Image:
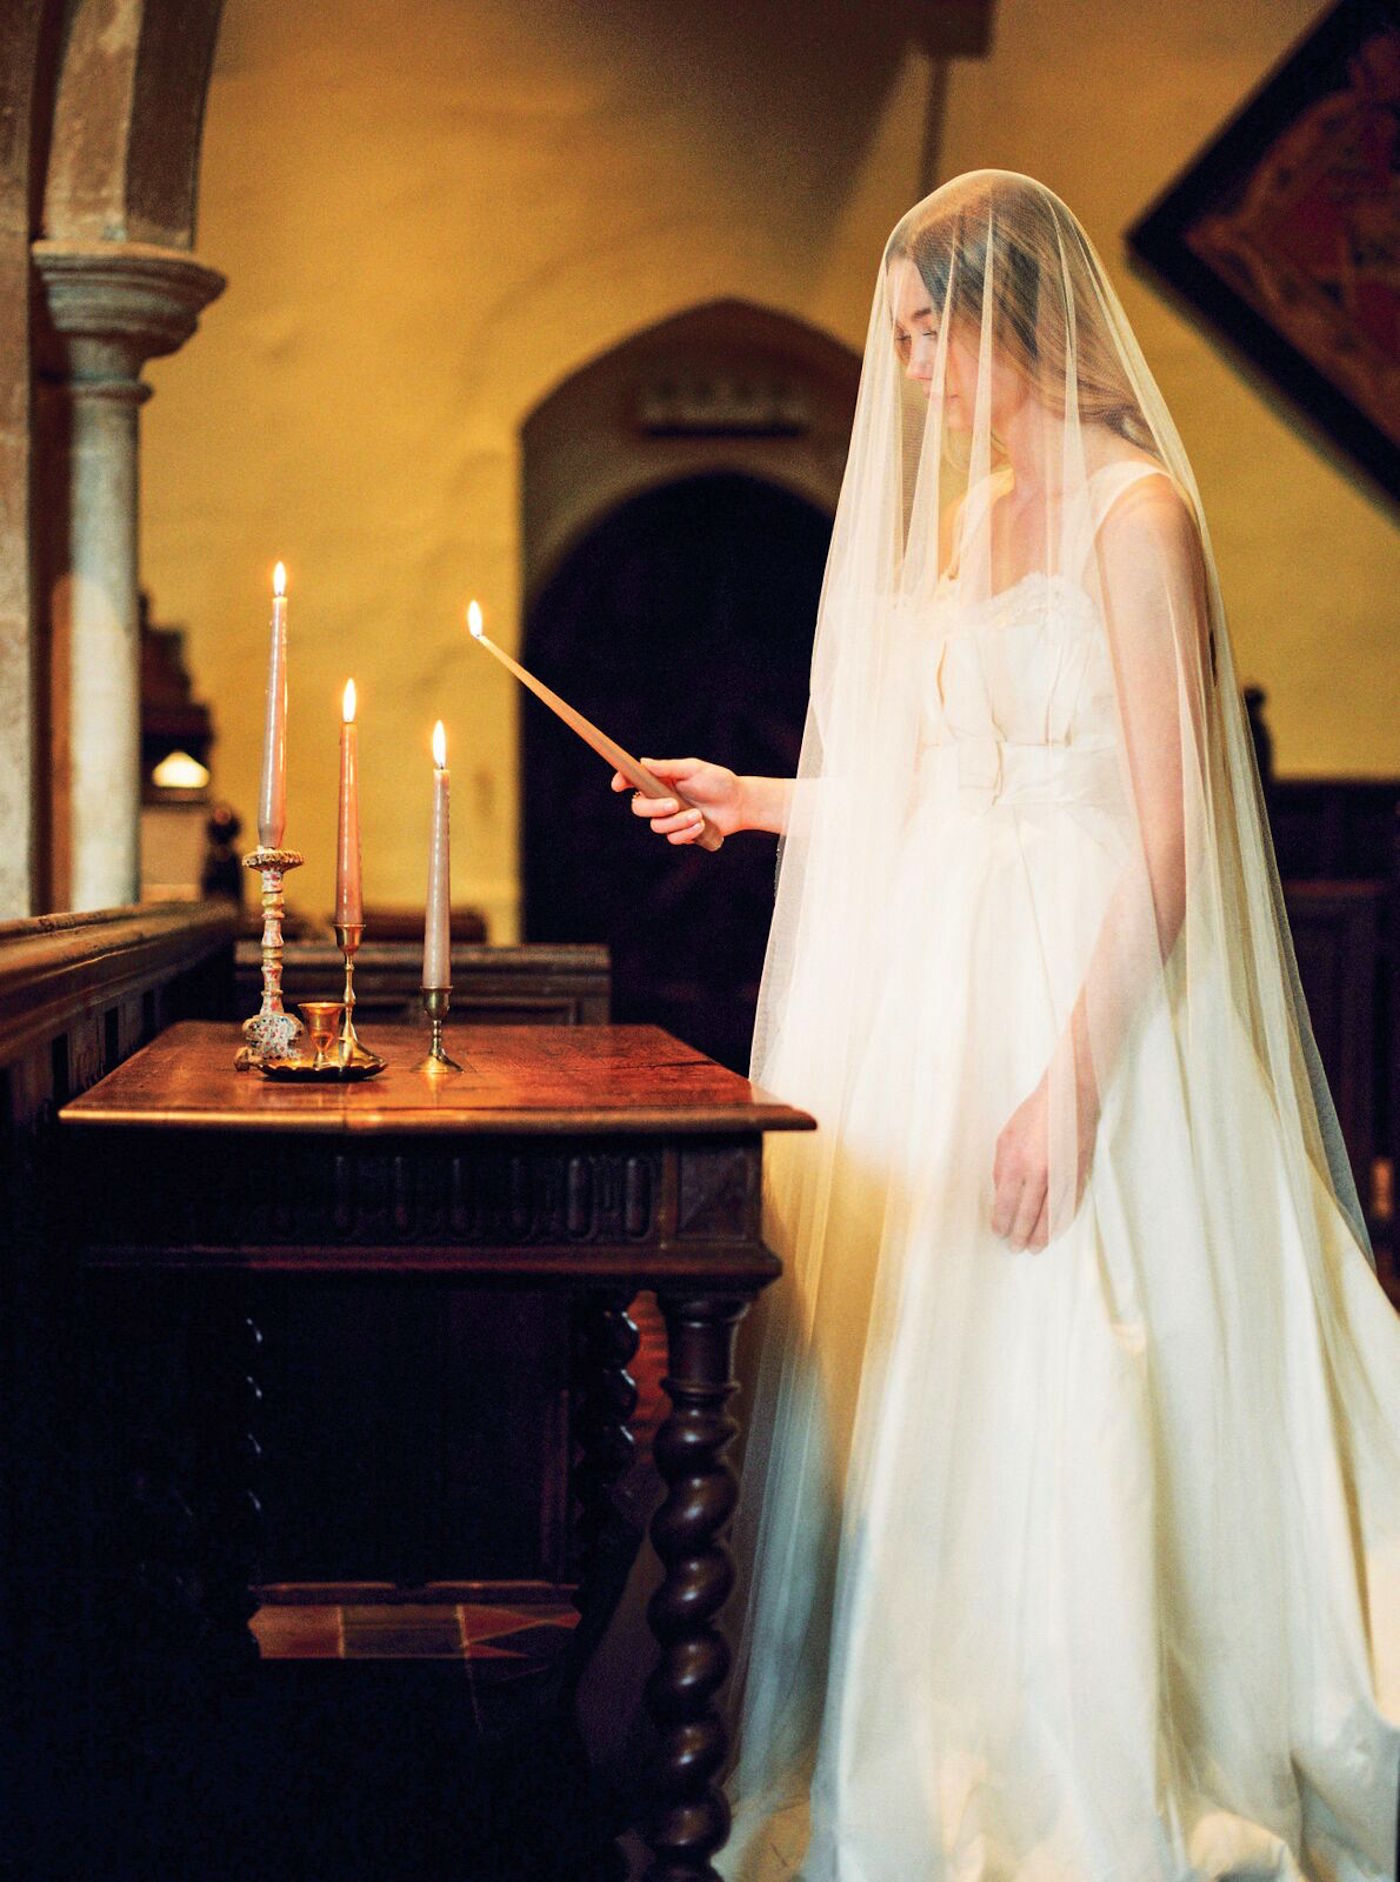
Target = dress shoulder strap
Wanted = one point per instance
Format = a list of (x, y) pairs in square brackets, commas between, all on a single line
[(1105, 486), (1110, 480)]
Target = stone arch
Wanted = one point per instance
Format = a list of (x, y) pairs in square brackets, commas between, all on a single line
[(683, 481), (725, 387), (127, 121)]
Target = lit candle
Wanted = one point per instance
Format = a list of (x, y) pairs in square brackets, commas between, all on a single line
[(437, 927), (272, 796), (349, 905), (631, 768)]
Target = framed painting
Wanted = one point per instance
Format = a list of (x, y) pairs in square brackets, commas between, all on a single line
[(1284, 233)]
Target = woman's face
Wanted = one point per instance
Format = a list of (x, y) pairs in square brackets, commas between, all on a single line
[(916, 343)]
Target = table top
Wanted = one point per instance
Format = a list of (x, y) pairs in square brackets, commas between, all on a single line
[(519, 1079)]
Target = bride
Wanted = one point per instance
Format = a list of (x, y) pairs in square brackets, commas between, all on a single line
[(1071, 1524)]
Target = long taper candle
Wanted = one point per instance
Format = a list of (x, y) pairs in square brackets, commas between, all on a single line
[(349, 905), (437, 926), (631, 768), (272, 796)]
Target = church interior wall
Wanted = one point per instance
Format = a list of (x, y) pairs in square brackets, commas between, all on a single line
[(431, 216)]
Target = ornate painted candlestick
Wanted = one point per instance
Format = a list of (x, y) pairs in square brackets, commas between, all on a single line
[(272, 1032)]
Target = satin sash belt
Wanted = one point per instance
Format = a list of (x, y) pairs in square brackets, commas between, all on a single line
[(977, 772)]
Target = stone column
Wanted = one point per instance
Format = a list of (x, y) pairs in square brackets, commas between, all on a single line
[(110, 307)]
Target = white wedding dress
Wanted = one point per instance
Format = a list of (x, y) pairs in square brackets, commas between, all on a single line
[(1118, 1589)]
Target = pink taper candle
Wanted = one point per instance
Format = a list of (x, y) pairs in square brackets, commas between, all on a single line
[(272, 797), (437, 927), (349, 904)]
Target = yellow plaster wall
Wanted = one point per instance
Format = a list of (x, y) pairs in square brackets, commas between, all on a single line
[(430, 214)]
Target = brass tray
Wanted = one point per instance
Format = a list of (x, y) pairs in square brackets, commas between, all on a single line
[(304, 1070)]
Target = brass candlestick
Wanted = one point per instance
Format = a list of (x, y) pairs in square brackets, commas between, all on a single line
[(436, 1002), (350, 1051), (272, 1032)]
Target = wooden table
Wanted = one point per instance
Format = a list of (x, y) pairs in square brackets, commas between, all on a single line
[(604, 1159)]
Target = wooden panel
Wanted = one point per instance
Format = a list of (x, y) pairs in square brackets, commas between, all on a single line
[(1337, 841), (558, 985), (1334, 829), (1336, 936), (76, 993), (57, 969)]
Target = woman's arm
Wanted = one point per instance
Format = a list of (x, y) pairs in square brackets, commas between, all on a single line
[(1152, 572), (1152, 576), (730, 802)]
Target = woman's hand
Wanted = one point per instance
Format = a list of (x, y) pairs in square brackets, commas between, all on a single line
[(713, 791), (1021, 1167)]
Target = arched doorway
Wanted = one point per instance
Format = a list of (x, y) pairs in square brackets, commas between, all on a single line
[(683, 623)]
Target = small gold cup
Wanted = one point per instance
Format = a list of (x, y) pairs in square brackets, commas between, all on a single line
[(323, 1023)]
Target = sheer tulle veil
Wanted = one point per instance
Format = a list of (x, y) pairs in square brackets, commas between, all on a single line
[(1009, 437)]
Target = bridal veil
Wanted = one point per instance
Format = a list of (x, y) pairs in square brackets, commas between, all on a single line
[(1012, 450)]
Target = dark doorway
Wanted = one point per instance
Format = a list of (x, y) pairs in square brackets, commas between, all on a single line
[(683, 625)]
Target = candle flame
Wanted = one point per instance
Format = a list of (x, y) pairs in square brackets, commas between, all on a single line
[(440, 746), (279, 580), (474, 621), (347, 703)]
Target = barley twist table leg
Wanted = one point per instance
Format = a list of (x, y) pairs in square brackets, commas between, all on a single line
[(690, 1818)]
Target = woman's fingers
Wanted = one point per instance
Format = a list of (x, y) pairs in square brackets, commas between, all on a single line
[(1005, 1189), (1021, 1200), (1029, 1206), (668, 816), (667, 770), (682, 822), (701, 789), (1040, 1234), (671, 770), (643, 805), (654, 807)]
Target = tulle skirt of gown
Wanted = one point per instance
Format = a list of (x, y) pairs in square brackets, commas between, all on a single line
[(1118, 1588)]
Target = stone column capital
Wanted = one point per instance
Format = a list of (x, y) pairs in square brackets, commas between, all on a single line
[(111, 306), (104, 309)]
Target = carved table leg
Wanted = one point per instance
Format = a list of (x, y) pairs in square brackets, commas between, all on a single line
[(604, 1399), (144, 1601), (229, 1457), (147, 1624), (690, 1818)]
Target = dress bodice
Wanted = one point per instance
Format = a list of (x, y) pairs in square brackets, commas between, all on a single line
[(1017, 692), (1029, 665), (1018, 700)]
